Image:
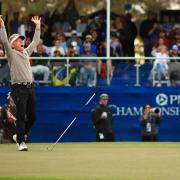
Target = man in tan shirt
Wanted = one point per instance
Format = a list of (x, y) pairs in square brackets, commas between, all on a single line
[(21, 79)]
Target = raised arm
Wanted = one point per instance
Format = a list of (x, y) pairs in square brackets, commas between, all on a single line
[(37, 21), (36, 38), (1, 21), (4, 37)]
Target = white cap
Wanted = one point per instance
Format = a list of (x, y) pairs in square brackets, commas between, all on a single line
[(174, 47), (14, 37), (74, 32), (104, 96)]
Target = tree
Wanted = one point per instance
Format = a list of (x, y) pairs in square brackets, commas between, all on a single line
[(84, 7)]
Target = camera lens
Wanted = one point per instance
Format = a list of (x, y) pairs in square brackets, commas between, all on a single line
[(156, 110)]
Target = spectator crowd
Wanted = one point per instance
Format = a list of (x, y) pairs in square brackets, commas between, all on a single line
[(67, 34)]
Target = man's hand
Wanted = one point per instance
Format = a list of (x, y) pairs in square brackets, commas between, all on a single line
[(104, 115), (1, 21), (37, 21)]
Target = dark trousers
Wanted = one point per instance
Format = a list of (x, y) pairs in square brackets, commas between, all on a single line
[(24, 98), (107, 137), (152, 138)]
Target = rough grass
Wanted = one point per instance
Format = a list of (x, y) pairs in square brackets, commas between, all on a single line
[(92, 161)]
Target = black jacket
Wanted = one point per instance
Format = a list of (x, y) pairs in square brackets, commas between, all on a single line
[(102, 124), (149, 126)]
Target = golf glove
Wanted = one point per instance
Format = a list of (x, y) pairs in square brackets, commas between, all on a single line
[(101, 136), (104, 115)]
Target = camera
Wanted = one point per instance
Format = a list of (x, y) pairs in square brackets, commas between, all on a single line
[(155, 110)]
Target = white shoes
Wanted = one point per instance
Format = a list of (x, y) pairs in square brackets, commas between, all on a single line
[(22, 146)]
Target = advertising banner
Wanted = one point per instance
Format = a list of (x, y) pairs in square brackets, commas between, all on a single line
[(58, 106)]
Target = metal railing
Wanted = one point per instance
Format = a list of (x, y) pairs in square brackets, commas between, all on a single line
[(136, 61)]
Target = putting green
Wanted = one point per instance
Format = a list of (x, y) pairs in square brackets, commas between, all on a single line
[(92, 161)]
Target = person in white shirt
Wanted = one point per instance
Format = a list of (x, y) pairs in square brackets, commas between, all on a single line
[(57, 50), (160, 65)]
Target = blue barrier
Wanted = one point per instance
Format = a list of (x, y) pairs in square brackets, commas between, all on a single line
[(57, 106)]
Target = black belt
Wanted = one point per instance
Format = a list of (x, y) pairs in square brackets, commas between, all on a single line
[(24, 84)]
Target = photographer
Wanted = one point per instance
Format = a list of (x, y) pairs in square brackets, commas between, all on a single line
[(149, 123), (8, 120), (102, 120)]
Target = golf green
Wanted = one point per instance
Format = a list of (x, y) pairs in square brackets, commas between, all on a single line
[(92, 161)]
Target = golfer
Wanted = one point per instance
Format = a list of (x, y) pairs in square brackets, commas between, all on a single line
[(21, 79)]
